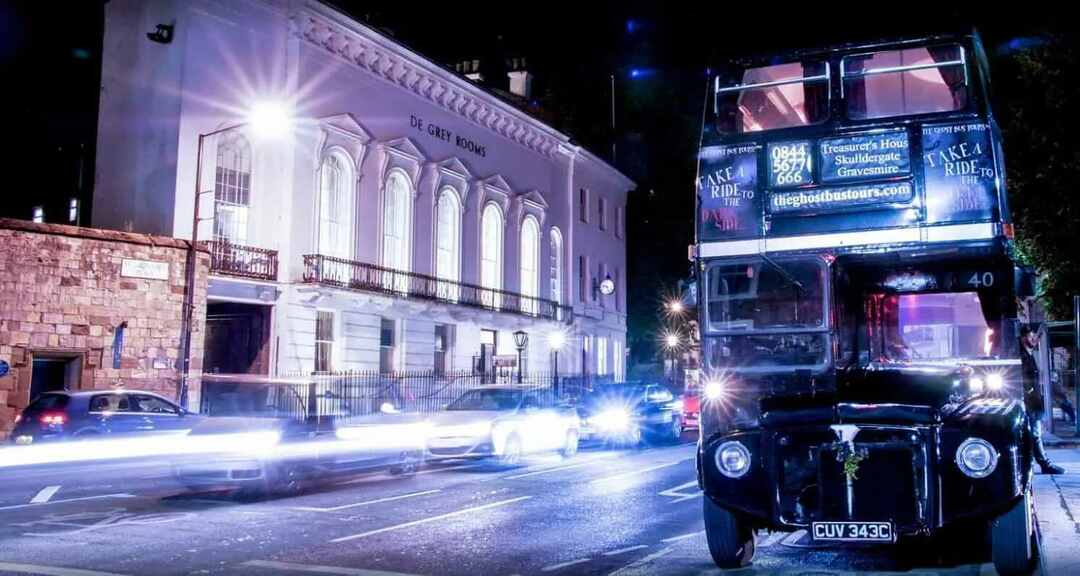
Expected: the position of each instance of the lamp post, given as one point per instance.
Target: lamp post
(556, 340)
(521, 340)
(671, 343)
(266, 119)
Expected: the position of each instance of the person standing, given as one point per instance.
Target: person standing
(1034, 400)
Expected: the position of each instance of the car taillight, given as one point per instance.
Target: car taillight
(53, 419)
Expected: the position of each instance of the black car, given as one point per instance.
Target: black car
(99, 413)
(626, 414)
(262, 456)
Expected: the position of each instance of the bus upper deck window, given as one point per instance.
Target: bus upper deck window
(905, 82)
(771, 97)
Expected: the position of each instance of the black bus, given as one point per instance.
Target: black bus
(858, 302)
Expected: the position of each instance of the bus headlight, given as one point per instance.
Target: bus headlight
(714, 390)
(976, 458)
(732, 459)
(994, 382)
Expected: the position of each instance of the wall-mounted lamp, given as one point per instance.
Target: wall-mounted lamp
(605, 287)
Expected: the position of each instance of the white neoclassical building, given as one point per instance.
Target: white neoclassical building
(407, 219)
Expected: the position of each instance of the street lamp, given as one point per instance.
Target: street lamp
(676, 307)
(671, 343)
(521, 340)
(556, 340)
(267, 120)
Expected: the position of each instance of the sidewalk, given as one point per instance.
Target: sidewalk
(1057, 503)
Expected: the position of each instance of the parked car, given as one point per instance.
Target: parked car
(93, 414)
(627, 414)
(504, 422)
(691, 407)
(263, 456)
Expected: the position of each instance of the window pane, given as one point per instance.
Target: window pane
(782, 106)
(756, 295)
(922, 91)
(232, 188)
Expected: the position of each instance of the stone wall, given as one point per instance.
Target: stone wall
(65, 291)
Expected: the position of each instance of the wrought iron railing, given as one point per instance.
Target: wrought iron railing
(245, 261)
(352, 275)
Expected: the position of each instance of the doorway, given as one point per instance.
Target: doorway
(237, 338)
(54, 373)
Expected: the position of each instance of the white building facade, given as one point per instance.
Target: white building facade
(408, 220)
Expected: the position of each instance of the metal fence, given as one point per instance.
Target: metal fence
(366, 277)
(359, 393)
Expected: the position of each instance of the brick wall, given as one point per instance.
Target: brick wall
(63, 295)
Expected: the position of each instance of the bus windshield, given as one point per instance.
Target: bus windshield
(929, 327)
(761, 295)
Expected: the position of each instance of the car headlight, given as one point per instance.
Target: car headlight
(732, 459)
(976, 458)
(995, 382)
(612, 419)
(976, 384)
(714, 390)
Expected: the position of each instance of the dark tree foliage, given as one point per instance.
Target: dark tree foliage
(1038, 96)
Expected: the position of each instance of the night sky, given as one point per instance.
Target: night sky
(657, 51)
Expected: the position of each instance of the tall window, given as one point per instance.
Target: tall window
(601, 209)
(556, 266)
(232, 188)
(397, 204)
(583, 278)
(491, 240)
(530, 264)
(324, 341)
(335, 207)
(617, 360)
(387, 343)
(583, 204)
(448, 244)
(620, 221)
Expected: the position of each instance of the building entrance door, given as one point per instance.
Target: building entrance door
(54, 373)
(237, 338)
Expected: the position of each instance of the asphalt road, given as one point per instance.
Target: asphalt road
(600, 512)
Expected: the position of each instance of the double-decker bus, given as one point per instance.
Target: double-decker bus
(858, 302)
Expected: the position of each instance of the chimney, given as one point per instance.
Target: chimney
(520, 83)
(471, 70)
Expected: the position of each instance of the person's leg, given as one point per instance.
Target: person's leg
(1048, 467)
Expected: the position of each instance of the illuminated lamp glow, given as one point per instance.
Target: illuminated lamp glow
(269, 119)
(995, 382)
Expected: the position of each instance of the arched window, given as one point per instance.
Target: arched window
(448, 243)
(232, 188)
(335, 207)
(491, 239)
(555, 274)
(397, 214)
(530, 264)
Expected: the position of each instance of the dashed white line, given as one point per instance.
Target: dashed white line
(682, 537)
(638, 472)
(99, 497)
(680, 496)
(431, 519)
(45, 494)
(364, 503)
(625, 550)
(559, 468)
(316, 569)
(50, 570)
(562, 565)
(639, 563)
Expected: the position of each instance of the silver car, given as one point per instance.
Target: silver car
(504, 422)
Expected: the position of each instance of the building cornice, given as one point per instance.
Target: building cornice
(380, 56)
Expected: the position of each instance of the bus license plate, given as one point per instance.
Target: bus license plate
(852, 531)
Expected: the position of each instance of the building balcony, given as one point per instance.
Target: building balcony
(229, 259)
(364, 277)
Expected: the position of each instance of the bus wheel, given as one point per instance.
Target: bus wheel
(1012, 536)
(731, 541)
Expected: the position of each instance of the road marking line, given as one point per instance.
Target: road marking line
(45, 494)
(682, 537)
(639, 563)
(558, 468)
(315, 569)
(50, 570)
(680, 496)
(447, 469)
(99, 497)
(637, 472)
(562, 565)
(625, 550)
(365, 503)
(431, 519)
